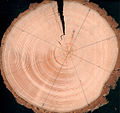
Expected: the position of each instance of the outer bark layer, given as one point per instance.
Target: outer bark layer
(101, 100)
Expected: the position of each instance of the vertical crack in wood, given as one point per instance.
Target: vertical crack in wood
(60, 4)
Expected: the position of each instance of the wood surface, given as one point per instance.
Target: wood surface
(46, 71)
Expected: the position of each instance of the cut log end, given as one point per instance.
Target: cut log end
(71, 73)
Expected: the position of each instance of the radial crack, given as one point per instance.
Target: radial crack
(60, 11)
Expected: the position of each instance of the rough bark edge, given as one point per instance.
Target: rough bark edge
(111, 82)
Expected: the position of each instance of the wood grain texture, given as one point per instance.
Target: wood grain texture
(47, 71)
